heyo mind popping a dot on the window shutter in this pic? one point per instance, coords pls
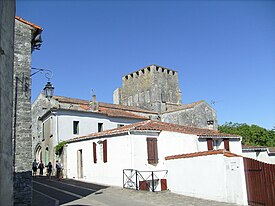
(105, 150)
(94, 152)
(209, 144)
(226, 144)
(152, 150)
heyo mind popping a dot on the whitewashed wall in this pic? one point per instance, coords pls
(212, 177)
(261, 156)
(88, 123)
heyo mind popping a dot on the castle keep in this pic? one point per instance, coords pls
(157, 89)
(152, 88)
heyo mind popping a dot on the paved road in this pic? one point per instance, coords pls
(71, 192)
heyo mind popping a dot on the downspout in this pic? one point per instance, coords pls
(132, 149)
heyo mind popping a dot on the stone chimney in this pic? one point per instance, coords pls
(94, 104)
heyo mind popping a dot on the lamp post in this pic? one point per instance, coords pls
(48, 89)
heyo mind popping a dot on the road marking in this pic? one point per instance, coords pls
(66, 192)
(49, 197)
(77, 186)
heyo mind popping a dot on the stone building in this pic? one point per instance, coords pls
(7, 12)
(157, 89)
(59, 118)
(26, 39)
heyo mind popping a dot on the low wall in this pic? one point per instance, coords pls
(213, 177)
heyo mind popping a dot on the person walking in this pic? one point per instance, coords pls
(41, 168)
(50, 169)
(58, 170)
(34, 167)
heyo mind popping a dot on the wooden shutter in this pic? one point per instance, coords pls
(105, 150)
(94, 152)
(226, 144)
(152, 150)
(209, 144)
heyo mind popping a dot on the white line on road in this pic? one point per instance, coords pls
(66, 192)
(49, 197)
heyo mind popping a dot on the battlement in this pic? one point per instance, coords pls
(150, 69)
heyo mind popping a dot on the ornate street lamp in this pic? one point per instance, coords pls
(48, 89)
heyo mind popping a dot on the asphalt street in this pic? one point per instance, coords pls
(72, 192)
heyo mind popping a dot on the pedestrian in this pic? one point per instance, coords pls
(41, 168)
(34, 167)
(58, 170)
(50, 169)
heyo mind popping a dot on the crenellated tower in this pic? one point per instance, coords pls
(152, 87)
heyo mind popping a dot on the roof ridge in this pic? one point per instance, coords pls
(29, 23)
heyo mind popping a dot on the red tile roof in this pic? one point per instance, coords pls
(29, 23)
(85, 104)
(151, 125)
(204, 153)
(110, 110)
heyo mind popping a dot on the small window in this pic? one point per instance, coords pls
(120, 125)
(100, 127)
(75, 127)
(152, 150)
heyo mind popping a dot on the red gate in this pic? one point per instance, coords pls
(260, 182)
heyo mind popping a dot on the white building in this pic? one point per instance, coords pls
(141, 148)
(60, 118)
(260, 153)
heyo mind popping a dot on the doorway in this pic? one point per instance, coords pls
(79, 164)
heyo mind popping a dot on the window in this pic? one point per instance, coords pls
(152, 150)
(75, 127)
(226, 144)
(47, 129)
(104, 150)
(100, 127)
(120, 125)
(209, 144)
(94, 152)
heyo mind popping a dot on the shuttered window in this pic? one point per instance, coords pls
(152, 150)
(94, 152)
(226, 144)
(209, 144)
(105, 150)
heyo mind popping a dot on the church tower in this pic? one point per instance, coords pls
(152, 87)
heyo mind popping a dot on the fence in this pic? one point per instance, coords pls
(145, 180)
(260, 182)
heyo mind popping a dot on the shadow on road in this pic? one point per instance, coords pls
(53, 192)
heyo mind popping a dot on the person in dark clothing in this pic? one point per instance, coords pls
(58, 170)
(34, 167)
(41, 168)
(50, 169)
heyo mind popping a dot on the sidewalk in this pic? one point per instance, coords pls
(113, 196)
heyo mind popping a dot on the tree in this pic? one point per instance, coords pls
(252, 135)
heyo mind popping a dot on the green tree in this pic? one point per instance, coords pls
(252, 135)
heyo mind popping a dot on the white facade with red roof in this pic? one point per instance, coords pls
(102, 157)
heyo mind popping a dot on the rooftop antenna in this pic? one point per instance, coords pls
(92, 93)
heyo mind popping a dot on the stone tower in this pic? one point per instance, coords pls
(153, 88)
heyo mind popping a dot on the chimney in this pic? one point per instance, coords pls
(210, 124)
(94, 104)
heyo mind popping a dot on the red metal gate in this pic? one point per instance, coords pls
(260, 182)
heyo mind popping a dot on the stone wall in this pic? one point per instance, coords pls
(149, 88)
(22, 114)
(197, 116)
(7, 12)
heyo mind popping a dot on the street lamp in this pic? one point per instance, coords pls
(48, 89)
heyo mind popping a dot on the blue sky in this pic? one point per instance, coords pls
(224, 51)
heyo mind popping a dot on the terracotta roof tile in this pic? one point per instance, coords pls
(204, 153)
(101, 104)
(155, 126)
(29, 23)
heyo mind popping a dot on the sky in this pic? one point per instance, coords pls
(224, 51)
